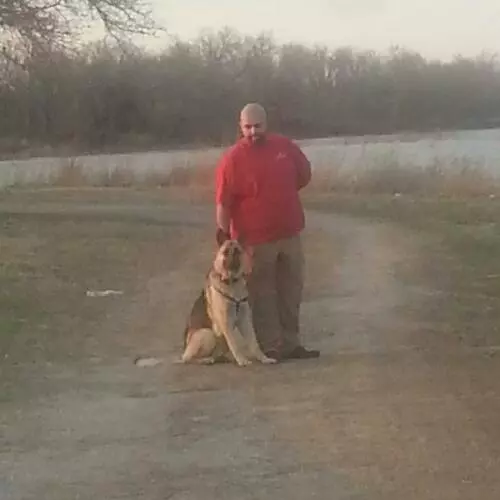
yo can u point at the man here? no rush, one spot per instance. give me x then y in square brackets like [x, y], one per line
[257, 201]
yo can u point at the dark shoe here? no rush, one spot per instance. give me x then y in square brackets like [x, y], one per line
[274, 354]
[300, 352]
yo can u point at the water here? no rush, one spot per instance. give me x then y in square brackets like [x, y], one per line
[477, 148]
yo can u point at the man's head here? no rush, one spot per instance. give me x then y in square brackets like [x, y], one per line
[253, 122]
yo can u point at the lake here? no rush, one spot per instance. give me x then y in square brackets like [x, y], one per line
[457, 149]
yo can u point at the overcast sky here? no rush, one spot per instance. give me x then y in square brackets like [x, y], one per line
[435, 28]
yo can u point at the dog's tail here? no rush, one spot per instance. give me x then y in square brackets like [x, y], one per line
[185, 337]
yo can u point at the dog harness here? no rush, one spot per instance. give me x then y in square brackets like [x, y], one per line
[237, 302]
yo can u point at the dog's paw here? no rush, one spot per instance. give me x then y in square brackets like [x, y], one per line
[243, 362]
[207, 361]
[268, 361]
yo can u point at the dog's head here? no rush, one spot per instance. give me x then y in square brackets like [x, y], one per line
[232, 260]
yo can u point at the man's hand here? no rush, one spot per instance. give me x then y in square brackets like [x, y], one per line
[222, 219]
[221, 236]
[303, 166]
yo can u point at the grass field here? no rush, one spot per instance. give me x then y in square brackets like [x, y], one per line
[409, 284]
[57, 245]
[50, 260]
[461, 241]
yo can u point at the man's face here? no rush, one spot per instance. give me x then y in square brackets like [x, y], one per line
[253, 126]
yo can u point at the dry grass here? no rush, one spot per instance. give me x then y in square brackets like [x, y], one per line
[73, 174]
[457, 178]
[460, 244]
[453, 179]
[51, 257]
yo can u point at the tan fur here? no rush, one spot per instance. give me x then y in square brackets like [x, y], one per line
[231, 335]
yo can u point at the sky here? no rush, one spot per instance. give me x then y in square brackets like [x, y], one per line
[437, 29]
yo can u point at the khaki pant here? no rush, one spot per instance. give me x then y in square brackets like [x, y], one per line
[275, 293]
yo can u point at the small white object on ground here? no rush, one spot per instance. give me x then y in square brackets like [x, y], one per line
[147, 362]
[103, 293]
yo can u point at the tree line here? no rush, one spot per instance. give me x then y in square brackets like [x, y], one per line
[107, 95]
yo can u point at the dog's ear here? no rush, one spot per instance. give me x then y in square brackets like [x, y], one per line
[218, 264]
[221, 236]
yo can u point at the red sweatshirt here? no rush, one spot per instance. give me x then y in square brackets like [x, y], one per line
[259, 184]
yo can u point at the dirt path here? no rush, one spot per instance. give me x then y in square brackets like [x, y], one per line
[382, 414]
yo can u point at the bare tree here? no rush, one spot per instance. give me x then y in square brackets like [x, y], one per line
[101, 97]
[36, 25]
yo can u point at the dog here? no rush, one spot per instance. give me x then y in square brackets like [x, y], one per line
[219, 327]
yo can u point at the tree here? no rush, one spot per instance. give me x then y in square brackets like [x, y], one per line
[32, 26]
[100, 96]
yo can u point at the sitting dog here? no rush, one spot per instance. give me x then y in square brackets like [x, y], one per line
[219, 327]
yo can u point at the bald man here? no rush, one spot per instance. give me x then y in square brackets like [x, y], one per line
[258, 181]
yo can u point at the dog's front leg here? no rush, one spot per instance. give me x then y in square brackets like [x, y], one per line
[245, 325]
[226, 326]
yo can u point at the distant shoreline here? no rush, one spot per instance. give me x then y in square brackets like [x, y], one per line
[33, 152]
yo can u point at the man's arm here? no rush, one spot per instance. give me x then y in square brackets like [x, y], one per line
[303, 166]
[223, 197]
[222, 217]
